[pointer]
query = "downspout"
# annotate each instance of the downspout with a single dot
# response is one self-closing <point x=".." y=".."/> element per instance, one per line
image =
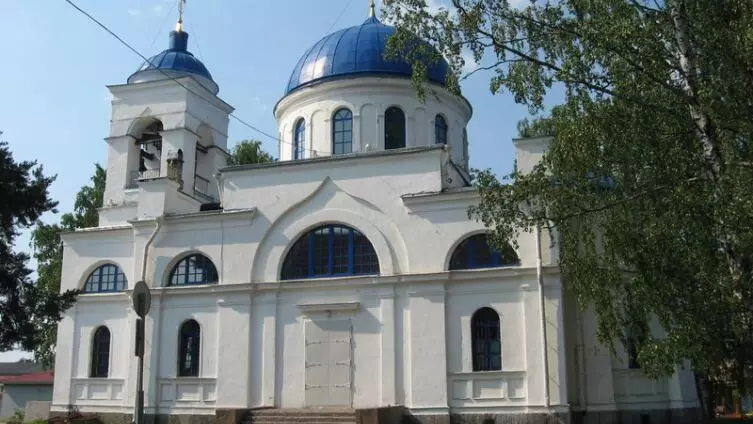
<point x="544" y="347"/>
<point x="581" y="361"/>
<point x="160" y="219"/>
<point x="140" y="369"/>
<point x="218" y="177"/>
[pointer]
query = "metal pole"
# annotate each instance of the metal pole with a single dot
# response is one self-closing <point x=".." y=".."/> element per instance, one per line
<point x="140" y="392"/>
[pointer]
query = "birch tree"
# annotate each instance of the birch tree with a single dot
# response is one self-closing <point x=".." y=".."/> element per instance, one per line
<point x="651" y="151"/>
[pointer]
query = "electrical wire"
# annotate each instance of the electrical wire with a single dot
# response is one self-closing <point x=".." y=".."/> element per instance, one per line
<point x="337" y="19"/>
<point x="232" y="115"/>
<point x="164" y="24"/>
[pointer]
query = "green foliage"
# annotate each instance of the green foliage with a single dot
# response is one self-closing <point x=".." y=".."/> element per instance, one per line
<point x="24" y="194"/>
<point x="249" y="152"/>
<point x="647" y="181"/>
<point x="48" y="251"/>
<point x="537" y="127"/>
<point x="18" y="417"/>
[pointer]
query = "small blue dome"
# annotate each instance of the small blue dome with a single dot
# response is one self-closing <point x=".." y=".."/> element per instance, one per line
<point x="355" y="50"/>
<point x="176" y="62"/>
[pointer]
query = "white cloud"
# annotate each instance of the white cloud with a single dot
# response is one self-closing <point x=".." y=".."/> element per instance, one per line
<point x="134" y="12"/>
<point x="158" y="9"/>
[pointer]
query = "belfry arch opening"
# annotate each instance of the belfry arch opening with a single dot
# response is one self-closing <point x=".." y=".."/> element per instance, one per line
<point x="203" y="165"/>
<point x="148" y="140"/>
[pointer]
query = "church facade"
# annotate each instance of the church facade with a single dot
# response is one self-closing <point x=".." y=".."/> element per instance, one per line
<point x="347" y="274"/>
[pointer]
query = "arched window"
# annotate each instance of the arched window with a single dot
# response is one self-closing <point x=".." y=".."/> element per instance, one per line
<point x="193" y="269"/>
<point x="106" y="278"/>
<point x="299" y="139"/>
<point x="189" y="349"/>
<point x="487" y="349"/>
<point x="100" y="361"/>
<point x="475" y="252"/>
<point x="394" y="128"/>
<point x="330" y="251"/>
<point x="440" y="130"/>
<point x="342" y="132"/>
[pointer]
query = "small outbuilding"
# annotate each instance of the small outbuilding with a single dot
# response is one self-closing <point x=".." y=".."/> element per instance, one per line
<point x="23" y="384"/>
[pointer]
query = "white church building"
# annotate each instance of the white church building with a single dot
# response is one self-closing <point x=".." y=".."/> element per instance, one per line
<point x="345" y="278"/>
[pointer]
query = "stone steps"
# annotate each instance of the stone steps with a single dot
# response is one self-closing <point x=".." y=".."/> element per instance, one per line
<point x="302" y="416"/>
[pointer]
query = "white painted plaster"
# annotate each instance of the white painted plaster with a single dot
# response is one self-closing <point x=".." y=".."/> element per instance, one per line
<point x="410" y="325"/>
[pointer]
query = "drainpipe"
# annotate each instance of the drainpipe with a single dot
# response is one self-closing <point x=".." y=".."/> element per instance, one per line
<point x="160" y="219"/>
<point x="140" y="371"/>
<point x="218" y="177"/>
<point x="581" y="350"/>
<point x="545" y="351"/>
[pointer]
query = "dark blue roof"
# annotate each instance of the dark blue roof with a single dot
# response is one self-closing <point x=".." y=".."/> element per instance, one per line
<point x="355" y="50"/>
<point x="175" y="61"/>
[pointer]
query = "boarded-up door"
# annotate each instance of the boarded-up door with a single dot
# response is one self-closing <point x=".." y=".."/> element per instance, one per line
<point x="328" y="363"/>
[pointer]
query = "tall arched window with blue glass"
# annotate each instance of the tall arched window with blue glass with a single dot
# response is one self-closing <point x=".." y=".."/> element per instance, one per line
<point x="475" y="252"/>
<point x="193" y="269"/>
<point x="342" y="132"/>
<point x="485" y="337"/>
<point x="107" y="278"/>
<point x="100" y="359"/>
<point x="394" y="128"/>
<point x="190" y="349"/>
<point x="330" y="251"/>
<point x="299" y="139"/>
<point x="440" y="130"/>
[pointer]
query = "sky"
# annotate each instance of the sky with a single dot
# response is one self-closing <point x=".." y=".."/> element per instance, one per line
<point x="55" y="106"/>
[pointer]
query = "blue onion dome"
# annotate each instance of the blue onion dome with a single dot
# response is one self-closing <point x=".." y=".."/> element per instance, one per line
<point x="358" y="50"/>
<point x="175" y="62"/>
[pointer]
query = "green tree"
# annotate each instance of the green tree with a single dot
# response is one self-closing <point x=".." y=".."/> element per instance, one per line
<point x="536" y="127"/>
<point x="249" y="152"/>
<point x="648" y="177"/>
<point x="48" y="251"/>
<point x="23" y="303"/>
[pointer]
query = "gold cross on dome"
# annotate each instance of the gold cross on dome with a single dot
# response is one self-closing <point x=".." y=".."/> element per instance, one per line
<point x="181" y="6"/>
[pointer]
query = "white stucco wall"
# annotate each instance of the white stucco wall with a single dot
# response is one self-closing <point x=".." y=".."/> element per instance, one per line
<point x="409" y="327"/>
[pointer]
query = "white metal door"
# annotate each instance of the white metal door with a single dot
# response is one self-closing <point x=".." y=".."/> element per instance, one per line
<point x="328" y="363"/>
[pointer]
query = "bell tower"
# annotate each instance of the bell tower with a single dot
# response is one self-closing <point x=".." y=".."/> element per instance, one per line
<point x="168" y="137"/>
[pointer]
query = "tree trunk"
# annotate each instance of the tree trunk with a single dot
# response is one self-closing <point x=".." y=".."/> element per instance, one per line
<point x="705" y="396"/>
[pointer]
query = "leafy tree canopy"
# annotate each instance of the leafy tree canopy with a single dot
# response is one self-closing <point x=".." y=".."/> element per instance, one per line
<point x="23" y="303"/>
<point x="647" y="180"/>
<point x="249" y="152"/>
<point x="48" y="251"/>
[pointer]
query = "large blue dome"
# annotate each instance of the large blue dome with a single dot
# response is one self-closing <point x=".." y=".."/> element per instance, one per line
<point x="175" y="62"/>
<point x="351" y="51"/>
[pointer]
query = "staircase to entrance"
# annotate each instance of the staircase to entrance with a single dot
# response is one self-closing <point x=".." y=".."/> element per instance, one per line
<point x="314" y="415"/>
<point x="324" y="415"/>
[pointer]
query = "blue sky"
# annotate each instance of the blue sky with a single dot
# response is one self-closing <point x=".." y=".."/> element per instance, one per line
<point x="55" y="106"/>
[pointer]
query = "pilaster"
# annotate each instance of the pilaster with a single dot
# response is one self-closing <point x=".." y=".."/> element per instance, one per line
<point x="388" y="374"/>
<point x="122" y="156"/>
<point x="233" y="352"/>
<point x="428" y="356"/>
<point x="184" y="140"/>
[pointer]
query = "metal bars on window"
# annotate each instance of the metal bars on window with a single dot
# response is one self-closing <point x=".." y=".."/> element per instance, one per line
<point x="485" y="336"/>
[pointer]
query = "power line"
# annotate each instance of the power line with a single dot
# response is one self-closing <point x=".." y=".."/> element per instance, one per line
<point x="342" y="12"/>
<point x="164" y="23"/>
<point x="123" y="42"/>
